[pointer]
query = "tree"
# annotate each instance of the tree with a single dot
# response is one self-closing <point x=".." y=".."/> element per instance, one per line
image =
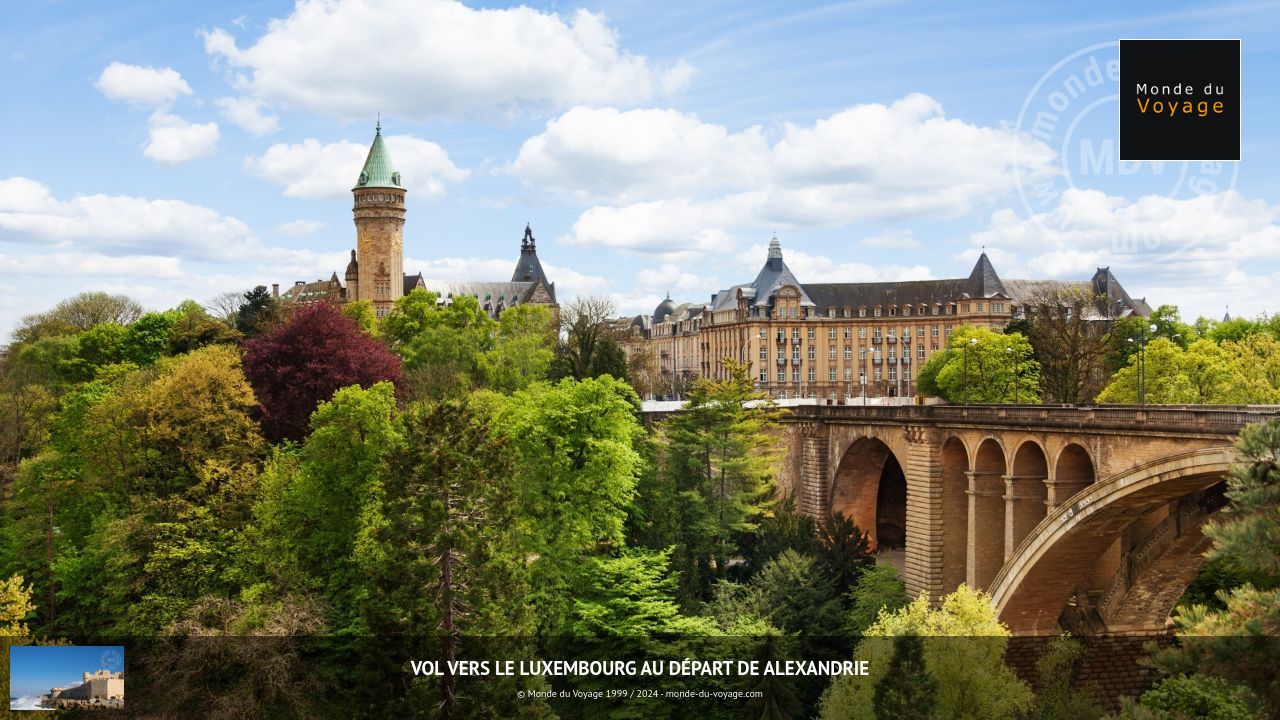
<point x="1196" y="697"/>
<point x="147" y="338"/>
<point x="444" y="531"/>
<point x="720" y="459"/>
<point x="300" y="363"/>
<point x="630" y="595"/>
<point x="225" y="306"/>
<point x="878" y="589"/>
<point x="1070" y="341"/>
<point x="794" y="594"/>
<point x="15" y="606"/>
<point x="964" y="646"/>
<point x="78" y="313"/>
<point x="442" y="345"/>
<point x="522" y="349"/>
<point x="844" y="552"/>
<point x="257" y="312"/>
<point x="994" y="368"/>
<point x="361" y="311"/>
<point x="907" y="689"/>
<point x="193" y="328"/>
<point x="590" y="348"/>
<point x="574" y="478"/>
<point x="1055" y="698"/>
<point x="1255" y="368"/>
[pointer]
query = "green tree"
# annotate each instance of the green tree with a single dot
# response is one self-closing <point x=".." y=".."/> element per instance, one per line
<point x="101" y="345"/>
<point x="720" y="458"/>
<point x="794" y="594"/>
<point x="442" y="345"/>
<point x="843" y="550"/>
<point x="878" y="589"/>
<point x="907" y="689"/>
<point x="964" y="646"/>
<point x="361" y="311"/>
<point x="257" y="312"/>
<point x="1055" y="698"/>
<point x="777" y="700"/>
<point x="1195" y="698"/>
<point x="193" y="327"/>
<point x="983" y="366"/>
<point x="1255" y="367"/>
<point x="590" y="347"/>
<point x="78" y="313"/>
<point x="522" y="349"/>
<point x="1072" y="340"/>
<point x="1166" y="377"/>
<point x="575" y="477"/>
<point x="147" y="338"/>
<point x="631" y="595"/>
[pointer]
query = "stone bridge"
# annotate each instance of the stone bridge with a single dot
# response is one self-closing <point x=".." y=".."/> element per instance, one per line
<point x="1079" y="518"/>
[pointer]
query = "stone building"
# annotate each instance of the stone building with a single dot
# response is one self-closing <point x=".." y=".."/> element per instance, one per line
<point x="98" y="687"/>
<point x="376" y="270"/>
<point x="836" y="340"/>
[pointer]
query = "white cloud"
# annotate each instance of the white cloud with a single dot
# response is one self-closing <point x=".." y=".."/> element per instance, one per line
<point x="674" y="279"/>
<point x="619" y="157"/>
<point x="665" y="179"/>
<point x="96" y="264"/>
<point x="313" y="170"/>
<point x="300" y="227"/>
<point x="142" y="85"/>
<point x="118" y="224"/>
<point x="174" y="141"/>
<point x="248" y="114"/>
<point x="892" y="240"/>
<point x="1197" y="252"/>
<point x="347" y="58"/>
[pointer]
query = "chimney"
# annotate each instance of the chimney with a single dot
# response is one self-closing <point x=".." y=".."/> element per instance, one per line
<point x="275" y="289"/>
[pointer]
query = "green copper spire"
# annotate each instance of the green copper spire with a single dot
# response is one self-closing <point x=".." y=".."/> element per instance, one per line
<point x="378" y="170"/>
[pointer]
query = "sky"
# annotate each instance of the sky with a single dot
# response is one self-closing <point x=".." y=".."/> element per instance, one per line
<point x="171" y="150"/>
<point x="35" y="669"/>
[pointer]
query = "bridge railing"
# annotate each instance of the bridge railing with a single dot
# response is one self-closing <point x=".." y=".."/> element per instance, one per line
<point x="1210" y="418"/>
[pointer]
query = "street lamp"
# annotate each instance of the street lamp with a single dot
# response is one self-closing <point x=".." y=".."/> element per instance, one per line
<point x="1013" y="375"/>
<point x="1142" y="362"/>
<point x="972" y="342"/>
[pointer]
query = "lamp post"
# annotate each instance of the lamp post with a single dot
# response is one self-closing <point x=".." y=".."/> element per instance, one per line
<point x="1142" y="362"/>
<point x="972" y="342"/>
<point x="1013" y="374"/>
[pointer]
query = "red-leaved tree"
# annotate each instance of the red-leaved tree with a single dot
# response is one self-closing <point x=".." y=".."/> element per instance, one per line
<point x="301" y="362"/>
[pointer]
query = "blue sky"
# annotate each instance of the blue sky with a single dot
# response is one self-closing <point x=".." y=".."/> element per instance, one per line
<point x="170" y="150"/>
<point x="36" y="669"/>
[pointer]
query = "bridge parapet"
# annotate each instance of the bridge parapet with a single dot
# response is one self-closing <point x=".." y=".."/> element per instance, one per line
<point x="1206" y="418"/>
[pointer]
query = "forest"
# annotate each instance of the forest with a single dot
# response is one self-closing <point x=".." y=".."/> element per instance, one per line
<point x="277" y="507"/>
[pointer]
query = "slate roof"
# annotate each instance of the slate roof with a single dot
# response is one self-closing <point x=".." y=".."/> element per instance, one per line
<point x="378" y="172"/>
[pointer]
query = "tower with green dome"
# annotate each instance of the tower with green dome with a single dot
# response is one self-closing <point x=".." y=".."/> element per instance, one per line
<point x="376" y="271"/>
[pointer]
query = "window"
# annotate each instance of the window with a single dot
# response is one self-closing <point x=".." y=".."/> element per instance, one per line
<point x="862" y="353"/>
<point x="875" y="334"/>
<point x="764" y="375"/>
<point x="862" y="333"/>
<point x="979" y="307"/>
<point x="831" y="333"/>
<point x="920" y="351"/>
<point x="795" y="353"/>
<point x="764" y="334"/>
<point x="893" y="374"/>
<point x="966" y="308"/>
<point x="893" y="354"/>
<point x="997" y="307"/>
<point x="812" y="375"/>
<point x="831" y="312"/>
<point x="795" y="375"/>
<point x="906" y="375"/>
<point x="848" y="353"/>
<point x="831" y="353"/>
<point x="848" y="373"/>
<point x="831" y="375"/>
<point x="933" y="331"/>
<point x="811" y="331"/>
<point x="948" y="332"/>
<point x="764" y="353"/>
<point x="862" y="312"/>
<point x="879" y="375"/>
<point x="848" y="333"/>
<point x="782" y="376"/>
<point x="893" y="311"/>
<point x="877" y="312"/>
<point x="920" y="331"/>
<point x="862" y="376"/>
<point x="934" y="348"/>
<point x="795" y="334"/>
<point x="906" y="310"/>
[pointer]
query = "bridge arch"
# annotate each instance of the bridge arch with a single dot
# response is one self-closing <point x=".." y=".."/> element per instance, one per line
<point x="870" y="488"/>
<point x="1073" y="470"/>
<point x="986" y="512"/>
<point x="955" y="512"/>
<point x="1026" y="493"/>
<point x="1033" y="587"/>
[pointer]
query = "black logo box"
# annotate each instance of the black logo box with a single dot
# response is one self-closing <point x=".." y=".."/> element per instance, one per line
<point x="1160" y="77"/>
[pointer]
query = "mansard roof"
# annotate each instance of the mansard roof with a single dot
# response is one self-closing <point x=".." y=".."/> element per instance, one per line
<point x="885" y="294"/>
<point x="774" y="275"/>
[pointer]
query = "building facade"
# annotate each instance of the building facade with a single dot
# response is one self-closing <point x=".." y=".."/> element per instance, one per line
<point x="835" y="340"/>
<point x="376" y="270"/>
